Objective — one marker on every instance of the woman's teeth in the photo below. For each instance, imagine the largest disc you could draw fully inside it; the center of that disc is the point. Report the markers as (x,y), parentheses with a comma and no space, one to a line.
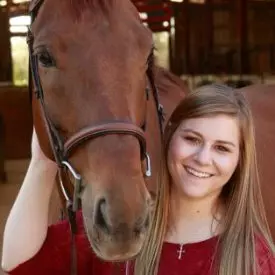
(197,173)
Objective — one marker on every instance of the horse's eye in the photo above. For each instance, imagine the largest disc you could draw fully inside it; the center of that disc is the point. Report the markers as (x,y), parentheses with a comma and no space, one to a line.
(45,59)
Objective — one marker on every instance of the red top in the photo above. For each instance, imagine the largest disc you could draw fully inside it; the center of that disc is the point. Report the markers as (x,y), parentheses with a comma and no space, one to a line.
(54,257)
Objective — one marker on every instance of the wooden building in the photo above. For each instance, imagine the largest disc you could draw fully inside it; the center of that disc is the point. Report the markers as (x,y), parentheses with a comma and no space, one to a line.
(216,36)
(224,36)
(204,37)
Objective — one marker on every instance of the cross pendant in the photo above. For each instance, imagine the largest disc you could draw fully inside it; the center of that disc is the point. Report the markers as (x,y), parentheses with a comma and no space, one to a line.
(180,251)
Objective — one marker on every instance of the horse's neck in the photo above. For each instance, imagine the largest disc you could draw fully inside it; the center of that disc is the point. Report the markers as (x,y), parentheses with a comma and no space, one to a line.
(171,91)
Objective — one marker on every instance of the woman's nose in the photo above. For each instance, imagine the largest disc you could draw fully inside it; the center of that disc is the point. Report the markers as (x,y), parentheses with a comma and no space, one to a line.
(204,156)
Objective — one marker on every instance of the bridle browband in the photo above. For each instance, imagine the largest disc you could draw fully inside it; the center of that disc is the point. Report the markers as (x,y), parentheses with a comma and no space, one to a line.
(63,150)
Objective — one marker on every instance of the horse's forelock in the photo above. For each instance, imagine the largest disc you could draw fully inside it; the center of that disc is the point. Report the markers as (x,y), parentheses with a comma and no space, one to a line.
(104,7)
(78,6)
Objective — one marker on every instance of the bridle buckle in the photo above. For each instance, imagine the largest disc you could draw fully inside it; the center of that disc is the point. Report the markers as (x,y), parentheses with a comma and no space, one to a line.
(77,185)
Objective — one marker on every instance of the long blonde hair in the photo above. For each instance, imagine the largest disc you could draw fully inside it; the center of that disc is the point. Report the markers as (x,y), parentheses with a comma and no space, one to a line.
(244,216)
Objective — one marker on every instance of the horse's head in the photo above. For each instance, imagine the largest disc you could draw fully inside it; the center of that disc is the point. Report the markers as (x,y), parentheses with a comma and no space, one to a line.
(92,58)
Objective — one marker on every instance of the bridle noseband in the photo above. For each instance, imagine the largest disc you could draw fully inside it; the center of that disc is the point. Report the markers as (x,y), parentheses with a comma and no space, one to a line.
(63,150)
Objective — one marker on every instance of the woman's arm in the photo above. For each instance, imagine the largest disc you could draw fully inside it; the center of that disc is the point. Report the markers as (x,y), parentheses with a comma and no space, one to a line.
(27,224)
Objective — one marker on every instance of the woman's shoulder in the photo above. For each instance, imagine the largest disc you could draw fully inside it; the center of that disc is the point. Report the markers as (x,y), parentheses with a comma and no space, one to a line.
(60,233)
(265,256)
(62,228)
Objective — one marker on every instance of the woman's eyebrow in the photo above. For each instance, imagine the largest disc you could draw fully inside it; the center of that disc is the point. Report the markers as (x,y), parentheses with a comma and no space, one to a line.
(200,135)
(226,142)
(191,130)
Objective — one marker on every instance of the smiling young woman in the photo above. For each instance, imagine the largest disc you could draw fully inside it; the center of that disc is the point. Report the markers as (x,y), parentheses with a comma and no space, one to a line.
(209,217)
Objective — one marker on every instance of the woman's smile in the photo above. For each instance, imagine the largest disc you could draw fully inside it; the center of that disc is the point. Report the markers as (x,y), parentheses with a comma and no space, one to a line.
(197,173)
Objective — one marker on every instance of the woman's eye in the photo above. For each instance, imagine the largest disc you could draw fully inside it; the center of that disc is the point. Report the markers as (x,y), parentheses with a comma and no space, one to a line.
(192,140)
(45,59)
(222,148)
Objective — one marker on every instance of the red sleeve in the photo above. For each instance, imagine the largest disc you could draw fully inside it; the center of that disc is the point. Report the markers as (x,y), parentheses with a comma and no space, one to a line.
(266,259)
(268,266)
(54,256)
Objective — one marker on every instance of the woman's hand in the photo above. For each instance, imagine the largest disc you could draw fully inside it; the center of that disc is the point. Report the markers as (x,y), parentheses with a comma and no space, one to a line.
(37,153)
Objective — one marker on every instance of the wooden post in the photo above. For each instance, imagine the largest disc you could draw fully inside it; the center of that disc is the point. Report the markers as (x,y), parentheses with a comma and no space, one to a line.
(242,34)
(5,47)
(186,36)
(3,177)
(209,29)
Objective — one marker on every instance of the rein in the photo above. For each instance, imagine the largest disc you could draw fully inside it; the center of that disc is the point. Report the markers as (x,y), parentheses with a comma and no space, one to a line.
(63,150)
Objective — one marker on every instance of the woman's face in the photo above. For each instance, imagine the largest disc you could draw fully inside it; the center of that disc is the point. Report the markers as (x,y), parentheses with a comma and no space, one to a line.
(203,154)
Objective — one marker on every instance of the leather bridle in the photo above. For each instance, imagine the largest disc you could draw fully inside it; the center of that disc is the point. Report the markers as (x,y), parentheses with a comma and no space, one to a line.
(63,150)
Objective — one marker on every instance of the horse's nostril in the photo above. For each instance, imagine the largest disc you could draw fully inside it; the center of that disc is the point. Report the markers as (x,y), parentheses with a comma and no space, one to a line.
(142,227)
(100,218)
(147,221)
(153,196)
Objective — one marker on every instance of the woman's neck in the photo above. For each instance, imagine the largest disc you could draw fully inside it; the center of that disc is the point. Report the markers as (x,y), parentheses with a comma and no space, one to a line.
(193,220)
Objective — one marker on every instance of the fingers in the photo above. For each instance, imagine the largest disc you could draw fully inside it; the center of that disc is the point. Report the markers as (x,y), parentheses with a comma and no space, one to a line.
(37,153)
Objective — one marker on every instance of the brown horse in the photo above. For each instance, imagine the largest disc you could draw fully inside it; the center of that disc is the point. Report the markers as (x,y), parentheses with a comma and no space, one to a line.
(91,64)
